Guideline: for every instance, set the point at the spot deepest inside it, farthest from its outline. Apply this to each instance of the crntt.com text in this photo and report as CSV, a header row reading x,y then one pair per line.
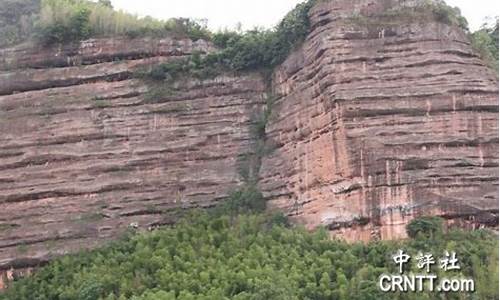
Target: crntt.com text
x,y
420,283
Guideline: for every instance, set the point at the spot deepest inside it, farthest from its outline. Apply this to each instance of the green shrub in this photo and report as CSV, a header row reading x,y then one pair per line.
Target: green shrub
x,y
425,226
246,199
253,50
222,39
424,12
279,219
90,290
17,18
265,48
63,21
485,41
106,3
449,15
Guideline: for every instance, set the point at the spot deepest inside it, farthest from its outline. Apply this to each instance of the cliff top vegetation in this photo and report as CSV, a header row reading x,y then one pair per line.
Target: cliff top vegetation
x,y
50,22
63,21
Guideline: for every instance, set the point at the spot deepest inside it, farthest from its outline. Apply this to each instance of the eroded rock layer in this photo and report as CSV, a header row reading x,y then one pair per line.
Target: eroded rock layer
x,y
86,150
380,122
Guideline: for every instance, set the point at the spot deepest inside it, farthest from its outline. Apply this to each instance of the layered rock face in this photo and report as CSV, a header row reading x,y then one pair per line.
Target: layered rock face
x,y
382,120
86,151
378,120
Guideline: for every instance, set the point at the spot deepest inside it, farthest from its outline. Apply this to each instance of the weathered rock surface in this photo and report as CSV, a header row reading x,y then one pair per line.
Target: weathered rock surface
x,y
84,152
375,124
96,51
380,123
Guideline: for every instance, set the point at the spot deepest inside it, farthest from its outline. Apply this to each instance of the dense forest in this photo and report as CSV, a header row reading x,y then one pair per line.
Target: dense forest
x,y
255,256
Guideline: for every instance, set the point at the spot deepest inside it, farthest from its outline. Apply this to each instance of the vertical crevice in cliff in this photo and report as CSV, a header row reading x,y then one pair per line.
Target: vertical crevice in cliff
x,y
375,118
411,99
248,196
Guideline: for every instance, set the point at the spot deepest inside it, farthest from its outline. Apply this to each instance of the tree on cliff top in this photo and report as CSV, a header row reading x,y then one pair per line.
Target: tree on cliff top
x,y
16,20
62,21
485,40
73,20
253,50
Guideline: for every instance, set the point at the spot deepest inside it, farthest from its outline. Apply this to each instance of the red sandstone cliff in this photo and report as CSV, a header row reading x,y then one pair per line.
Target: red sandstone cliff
x,y
374,125
83,154
383,122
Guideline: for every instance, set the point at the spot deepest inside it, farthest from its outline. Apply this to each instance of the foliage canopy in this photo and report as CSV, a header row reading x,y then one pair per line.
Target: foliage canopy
x,y
249,257
63,21
73,20
485,40
17,18
254,50
427,226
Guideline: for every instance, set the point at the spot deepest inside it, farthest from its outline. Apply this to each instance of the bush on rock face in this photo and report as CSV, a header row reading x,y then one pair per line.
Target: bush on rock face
x,y
426,226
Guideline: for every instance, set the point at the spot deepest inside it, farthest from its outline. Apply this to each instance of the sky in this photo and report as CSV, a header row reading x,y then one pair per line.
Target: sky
x,y
222,14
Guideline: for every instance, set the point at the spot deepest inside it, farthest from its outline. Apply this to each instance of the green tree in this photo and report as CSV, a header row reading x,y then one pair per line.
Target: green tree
x,y
106,3
17,19
426,226
485,41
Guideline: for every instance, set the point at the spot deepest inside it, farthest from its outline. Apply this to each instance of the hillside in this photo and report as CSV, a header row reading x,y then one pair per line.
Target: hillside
x,y
353,116
253,257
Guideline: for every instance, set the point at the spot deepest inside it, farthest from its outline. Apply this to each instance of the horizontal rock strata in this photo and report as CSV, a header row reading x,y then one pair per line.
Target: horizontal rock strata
x,y
378,120
379,123
86,150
